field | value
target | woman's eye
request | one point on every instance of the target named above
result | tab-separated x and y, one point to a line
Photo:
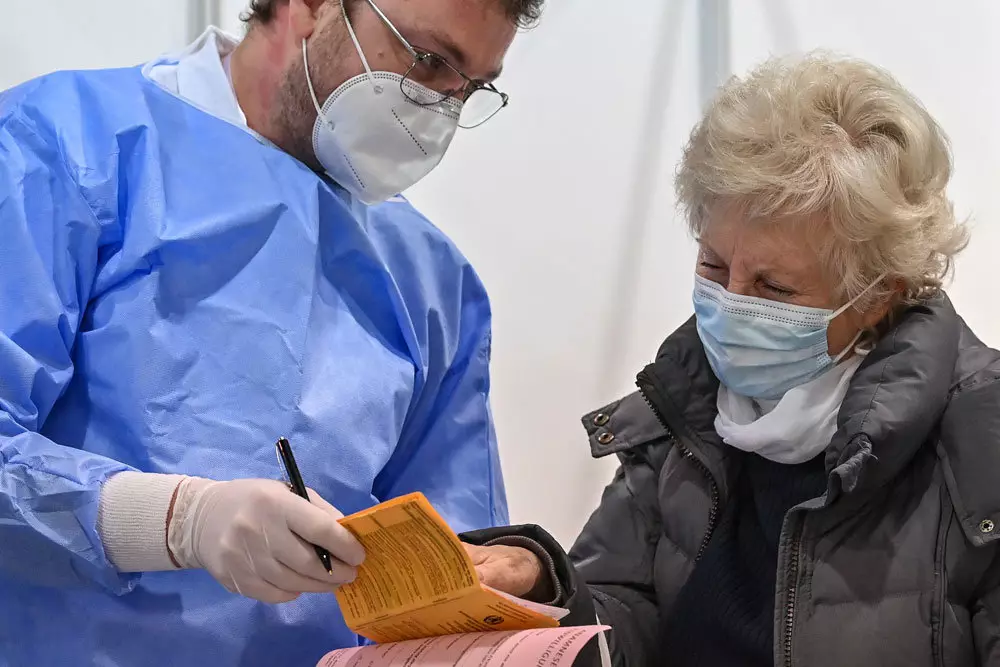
713	267
780	291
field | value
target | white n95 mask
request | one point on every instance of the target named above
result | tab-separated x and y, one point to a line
372	139
760	348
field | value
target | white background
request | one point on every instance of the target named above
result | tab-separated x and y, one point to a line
564	202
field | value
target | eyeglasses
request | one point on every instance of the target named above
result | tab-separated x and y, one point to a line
480	101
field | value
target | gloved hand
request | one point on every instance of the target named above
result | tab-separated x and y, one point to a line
255	537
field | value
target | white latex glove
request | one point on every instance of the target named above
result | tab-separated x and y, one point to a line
256	538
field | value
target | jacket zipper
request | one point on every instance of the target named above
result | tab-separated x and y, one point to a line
713	513
792	578
690	456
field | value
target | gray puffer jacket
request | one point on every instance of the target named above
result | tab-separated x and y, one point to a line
896	564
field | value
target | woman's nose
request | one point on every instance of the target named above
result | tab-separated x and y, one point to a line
741	287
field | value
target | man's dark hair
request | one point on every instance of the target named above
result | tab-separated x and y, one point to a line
522	13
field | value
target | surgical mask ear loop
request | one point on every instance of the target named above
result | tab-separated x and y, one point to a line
364	61
851	347
843	309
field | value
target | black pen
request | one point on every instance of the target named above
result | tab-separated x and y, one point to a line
299	488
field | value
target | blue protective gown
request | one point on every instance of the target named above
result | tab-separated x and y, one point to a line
174	296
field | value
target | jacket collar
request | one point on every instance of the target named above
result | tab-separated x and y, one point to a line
900	398
896	398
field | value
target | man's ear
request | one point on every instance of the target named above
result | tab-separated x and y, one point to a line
302	17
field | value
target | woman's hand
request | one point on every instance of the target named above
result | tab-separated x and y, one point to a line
512	570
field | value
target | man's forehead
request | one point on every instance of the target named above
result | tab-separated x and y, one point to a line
473	35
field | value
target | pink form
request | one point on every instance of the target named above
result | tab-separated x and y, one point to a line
551	647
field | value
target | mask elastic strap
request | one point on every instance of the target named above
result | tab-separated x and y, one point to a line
850	349
357	46
843	309
309	82
361	54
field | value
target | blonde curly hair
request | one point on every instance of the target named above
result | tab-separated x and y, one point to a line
839	140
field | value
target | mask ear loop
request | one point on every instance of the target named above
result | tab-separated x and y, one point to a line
357	46
853	346
364	61
312	91
843	309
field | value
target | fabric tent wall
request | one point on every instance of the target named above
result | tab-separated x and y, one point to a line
39	37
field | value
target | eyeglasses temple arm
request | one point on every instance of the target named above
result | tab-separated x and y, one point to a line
392	29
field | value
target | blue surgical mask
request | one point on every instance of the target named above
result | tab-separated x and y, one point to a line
761	348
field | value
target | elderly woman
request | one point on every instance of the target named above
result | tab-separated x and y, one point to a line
809	470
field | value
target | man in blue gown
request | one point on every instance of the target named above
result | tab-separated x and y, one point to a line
206	253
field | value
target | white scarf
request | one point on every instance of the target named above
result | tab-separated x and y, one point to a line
793	429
